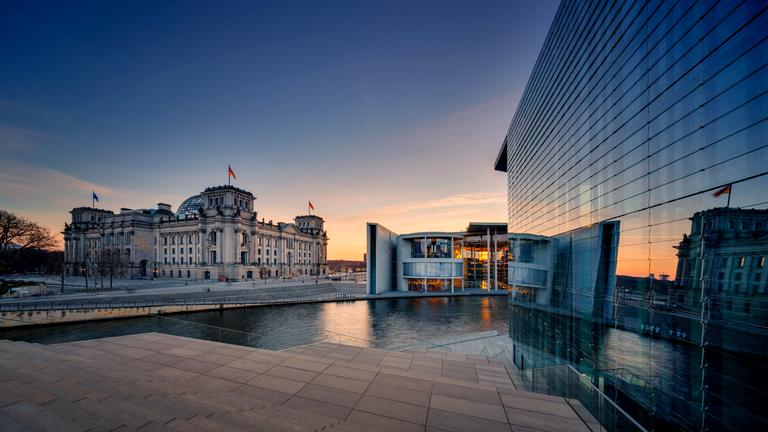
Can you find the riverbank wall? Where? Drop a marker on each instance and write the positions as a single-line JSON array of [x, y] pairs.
[[96, 312], [62, 316]]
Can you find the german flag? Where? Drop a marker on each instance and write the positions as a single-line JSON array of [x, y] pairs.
[[231, 173], [725, 190]]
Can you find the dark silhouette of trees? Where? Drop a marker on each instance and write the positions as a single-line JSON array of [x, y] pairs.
[[26, 246]]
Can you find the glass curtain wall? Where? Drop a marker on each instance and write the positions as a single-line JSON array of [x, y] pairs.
[[640, 148], [484, 267]]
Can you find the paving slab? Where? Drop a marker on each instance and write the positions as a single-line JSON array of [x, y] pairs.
[[553, 407], [382, 423], [403, 382], [310, 365], [292, 373], [349, 372], [282, 385], [397, 410], [455, 422], [263, 394], [318, 407], [251, 365], [546, 422], [27, 417], [233, 374], [163, 382], [329, 394], [342, 383], [400, 394], [466, 392]]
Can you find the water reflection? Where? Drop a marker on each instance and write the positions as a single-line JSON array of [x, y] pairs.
[[377, 323]]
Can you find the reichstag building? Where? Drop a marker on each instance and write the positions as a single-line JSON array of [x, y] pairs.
[[213, 235]]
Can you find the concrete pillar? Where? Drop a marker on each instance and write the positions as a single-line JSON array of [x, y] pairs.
[[495, 264], [488, 270]]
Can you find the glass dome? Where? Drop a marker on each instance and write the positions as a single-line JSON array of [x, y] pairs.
[[191, 205]]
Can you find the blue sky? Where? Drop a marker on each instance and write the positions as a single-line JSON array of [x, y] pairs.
[[376, 111]]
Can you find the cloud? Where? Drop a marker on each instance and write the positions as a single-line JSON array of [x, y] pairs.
[[451, 201], [46, 195], [28, 184], [447, 213], [13, 139]]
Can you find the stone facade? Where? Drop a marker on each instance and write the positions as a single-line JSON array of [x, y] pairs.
[[213, 235], [735, 274]]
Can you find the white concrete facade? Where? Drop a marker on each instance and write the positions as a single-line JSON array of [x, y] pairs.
[[214, 235]]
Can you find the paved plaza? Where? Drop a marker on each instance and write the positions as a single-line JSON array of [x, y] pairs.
[[154, 381]]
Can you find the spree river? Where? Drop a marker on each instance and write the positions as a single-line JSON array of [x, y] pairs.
[[375, 323]]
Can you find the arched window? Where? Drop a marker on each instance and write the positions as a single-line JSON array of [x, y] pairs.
[[212, 237]]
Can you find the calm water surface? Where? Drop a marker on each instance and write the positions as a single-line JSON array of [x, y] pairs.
[[376, 323]]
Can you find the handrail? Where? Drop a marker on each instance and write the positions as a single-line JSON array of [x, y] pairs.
[[245, 332], [592, 387], [347, 335], [14, 320], [199, 324], [252, 299]]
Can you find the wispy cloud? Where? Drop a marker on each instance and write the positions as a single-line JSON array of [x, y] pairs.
[[450, 201], [13, 139], [47, 195], [27, 183]]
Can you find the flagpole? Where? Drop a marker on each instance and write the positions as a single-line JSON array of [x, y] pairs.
[[730, 191]]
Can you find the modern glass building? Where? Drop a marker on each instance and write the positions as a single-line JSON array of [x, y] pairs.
[[637, 171], [475, 259]]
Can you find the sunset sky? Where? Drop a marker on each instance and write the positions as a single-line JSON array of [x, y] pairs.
[[390, 112]]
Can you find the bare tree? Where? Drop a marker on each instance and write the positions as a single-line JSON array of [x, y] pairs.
[[18, 233]]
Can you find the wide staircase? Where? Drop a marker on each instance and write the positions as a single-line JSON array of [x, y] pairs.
[[154, 381]]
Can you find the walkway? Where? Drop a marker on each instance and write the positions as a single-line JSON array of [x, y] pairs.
[[154, 381]]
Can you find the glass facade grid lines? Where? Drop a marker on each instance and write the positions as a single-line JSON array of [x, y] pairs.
[[637, 171]]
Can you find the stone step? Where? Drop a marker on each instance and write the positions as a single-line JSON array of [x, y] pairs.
[[289, 419], [29, 417], [425, 365], [109, 388], [225, 402], [88, 420]]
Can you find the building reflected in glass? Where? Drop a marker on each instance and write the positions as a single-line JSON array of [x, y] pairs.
[[637, 172]]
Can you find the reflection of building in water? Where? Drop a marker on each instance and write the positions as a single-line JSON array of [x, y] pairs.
[[437, 261], [732, 245]]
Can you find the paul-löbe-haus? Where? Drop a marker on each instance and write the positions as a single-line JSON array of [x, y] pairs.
[[213, 235]]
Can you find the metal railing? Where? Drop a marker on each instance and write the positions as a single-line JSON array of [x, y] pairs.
[[264, 299], [603, 414]]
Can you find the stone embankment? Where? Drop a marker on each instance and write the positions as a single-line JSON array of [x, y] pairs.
[[51, 311]]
